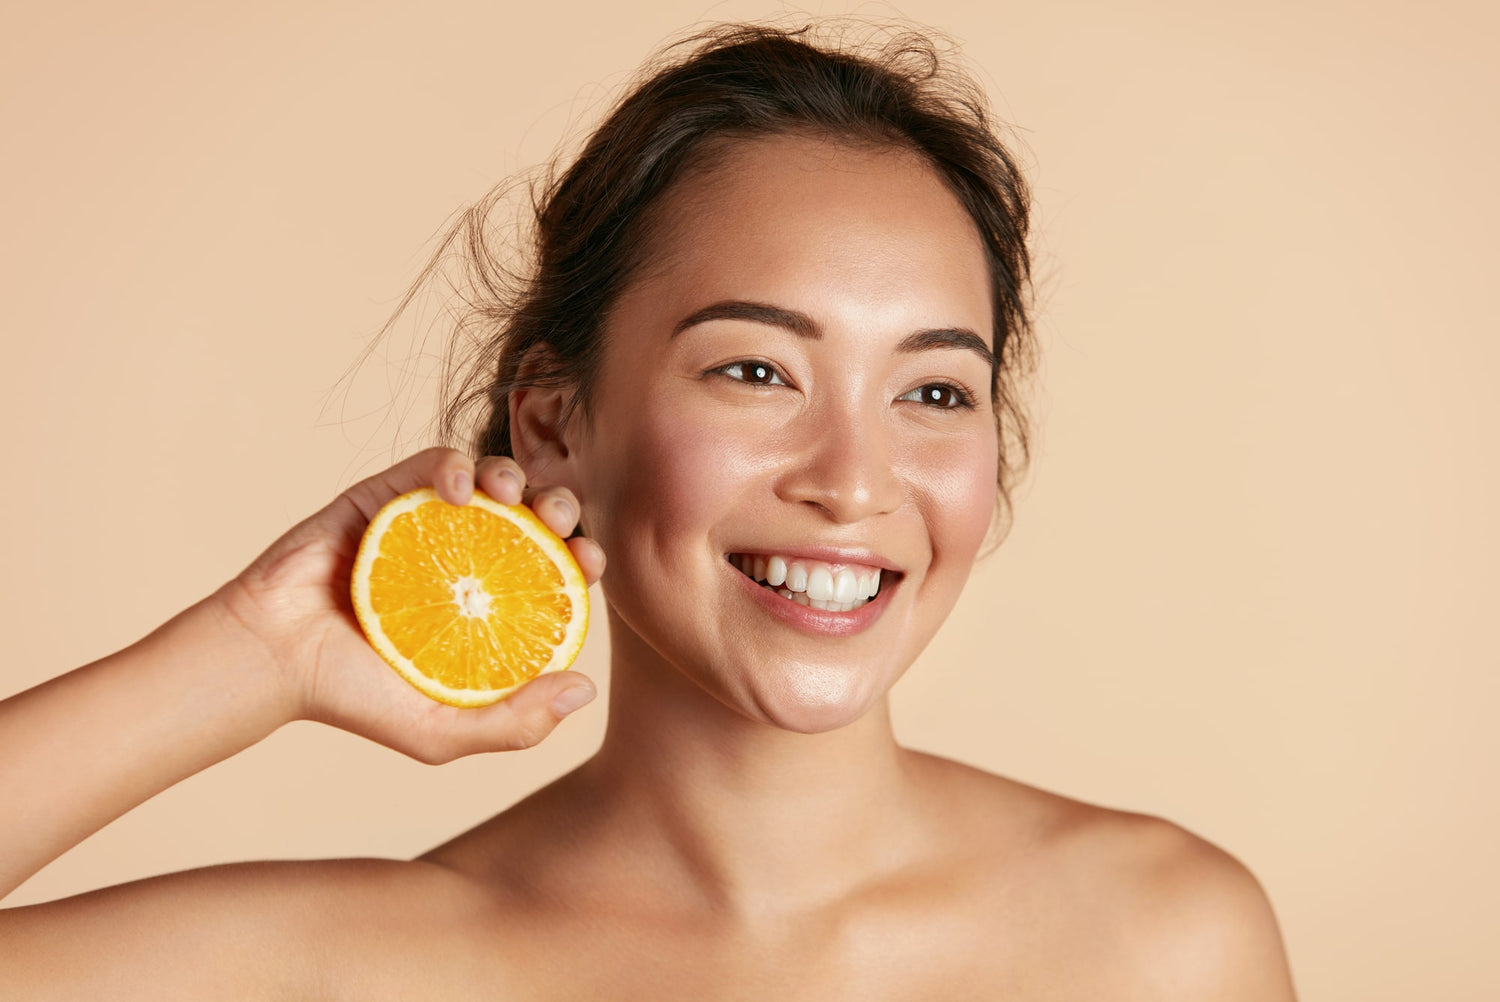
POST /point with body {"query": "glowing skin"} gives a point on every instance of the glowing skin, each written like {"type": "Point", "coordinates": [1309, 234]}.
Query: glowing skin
{"type": "Point", "coordinates": [836, 443]}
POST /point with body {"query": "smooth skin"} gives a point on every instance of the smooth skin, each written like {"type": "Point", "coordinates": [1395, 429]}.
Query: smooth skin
{"type": "Point", "coordinates": [750, 828]}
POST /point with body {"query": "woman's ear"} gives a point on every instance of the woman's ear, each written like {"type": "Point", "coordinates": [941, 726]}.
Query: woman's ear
{"type": "Point", "coordinates": [539, 423]}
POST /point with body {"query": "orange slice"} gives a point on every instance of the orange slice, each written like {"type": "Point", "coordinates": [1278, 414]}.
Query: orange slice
{"type": "Point", "coordinates": [468, 602]}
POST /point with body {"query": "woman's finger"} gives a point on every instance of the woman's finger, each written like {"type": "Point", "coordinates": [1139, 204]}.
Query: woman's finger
{"type": "Point", "coordinates": [448, 470]}
{"type": "Point", "coordinates": [557, 508]}
{"type": "Point", "coordinates": [520, 720]}
{"type": "Point", "coordinates": [590, 557]}
{"type": "Point", "coordinates": [501, 478]}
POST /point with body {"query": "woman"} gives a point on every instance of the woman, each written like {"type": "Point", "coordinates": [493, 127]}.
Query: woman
{"type": "Point", "coordinates": [773, 333]}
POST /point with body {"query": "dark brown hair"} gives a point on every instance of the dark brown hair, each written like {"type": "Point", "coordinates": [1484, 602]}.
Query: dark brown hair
{"type": "Point", "coordinates": [593, 220]}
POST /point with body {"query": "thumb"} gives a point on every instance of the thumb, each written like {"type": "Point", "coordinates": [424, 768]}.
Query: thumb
{"type": "Point", "coordinates": [525, 717]}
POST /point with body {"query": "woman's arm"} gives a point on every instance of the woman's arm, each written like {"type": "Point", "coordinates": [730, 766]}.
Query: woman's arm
{"type": "Point", "coordinates": [278, 643]}
{"type": "Point", "coordinates": [82, 749]}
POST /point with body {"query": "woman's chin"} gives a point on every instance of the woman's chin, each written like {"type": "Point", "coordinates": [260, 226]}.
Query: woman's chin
{"type": "Point", "coordinates": [813, 702]}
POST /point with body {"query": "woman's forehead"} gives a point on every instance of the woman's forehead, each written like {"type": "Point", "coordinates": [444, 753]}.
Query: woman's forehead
{"type": "Point", "coordinates": [852, 231]}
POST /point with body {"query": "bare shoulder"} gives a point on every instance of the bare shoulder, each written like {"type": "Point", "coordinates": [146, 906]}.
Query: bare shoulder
{"type": "Point", "coordinates": [304, 929]}
{"type": "Point", "coordinates": [1190, 919]}
{"type": "Point", "coordinates": [1194, 911]}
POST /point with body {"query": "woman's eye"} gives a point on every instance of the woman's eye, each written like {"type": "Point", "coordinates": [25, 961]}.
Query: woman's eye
{"type": "Point", "coordinates": [754, 373]}
{"type": "Point", "coordinates": [944, 396]}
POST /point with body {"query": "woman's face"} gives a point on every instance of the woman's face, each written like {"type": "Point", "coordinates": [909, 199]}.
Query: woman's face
{"type": "Point", "coordinates": [797, 384]}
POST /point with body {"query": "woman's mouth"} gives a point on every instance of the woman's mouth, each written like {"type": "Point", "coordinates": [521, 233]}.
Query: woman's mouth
{"type": "Point", "coordinates": [813, 583]}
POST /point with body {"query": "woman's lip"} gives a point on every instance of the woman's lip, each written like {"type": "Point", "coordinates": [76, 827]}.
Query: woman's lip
{"type": "Point", "coordinates": [819, 622]}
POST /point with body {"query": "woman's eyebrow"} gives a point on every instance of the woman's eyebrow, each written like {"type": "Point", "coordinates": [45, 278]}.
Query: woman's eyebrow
{"type": "Point", "coordinates": [799, 324]}
{"type": "Point", "coordinates": [805, 326]}
{"type": "Point", "coordinates": [948, 337]}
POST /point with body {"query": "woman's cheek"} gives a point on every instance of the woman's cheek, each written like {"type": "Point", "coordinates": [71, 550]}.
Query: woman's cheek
{"type": "Point", "coordinates": [955, 483]}
{"type": "Point", "coordinates": [685, 465]}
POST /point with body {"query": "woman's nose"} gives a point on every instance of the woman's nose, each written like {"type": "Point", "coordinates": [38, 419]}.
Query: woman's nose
{"type": "Point", "coordinates": [845, 466]}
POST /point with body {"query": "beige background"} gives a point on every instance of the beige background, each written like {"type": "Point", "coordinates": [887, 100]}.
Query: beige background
{"type": "Point", "coordinates": [1251, 583]}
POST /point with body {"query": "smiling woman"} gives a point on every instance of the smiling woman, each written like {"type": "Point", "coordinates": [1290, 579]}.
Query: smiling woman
{"type": "Point", "coordinates": [787, 418]}
{"type": "Point", "coordinates": [766, 362]}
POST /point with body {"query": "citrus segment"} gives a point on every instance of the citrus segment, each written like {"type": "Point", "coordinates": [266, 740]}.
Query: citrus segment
{"type": "Point", "coordinates": [468, 602]}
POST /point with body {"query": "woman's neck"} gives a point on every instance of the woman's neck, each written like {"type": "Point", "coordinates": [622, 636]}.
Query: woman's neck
{"type": "Point", "coordinates": [760, 820]}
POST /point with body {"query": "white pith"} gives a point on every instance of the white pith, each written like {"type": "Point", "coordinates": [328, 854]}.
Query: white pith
{"type": "Point", "coordinates": [813, 583]}
{"type": "Point", "coordinates": [471, 598]}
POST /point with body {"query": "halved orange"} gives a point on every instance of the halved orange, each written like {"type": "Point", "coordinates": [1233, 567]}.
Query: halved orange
{"type": "Point", "coordinates": [468, 602]}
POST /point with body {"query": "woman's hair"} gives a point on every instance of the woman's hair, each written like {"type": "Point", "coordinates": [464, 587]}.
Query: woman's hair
{"type": "Point", "coordinates": [593, 221]}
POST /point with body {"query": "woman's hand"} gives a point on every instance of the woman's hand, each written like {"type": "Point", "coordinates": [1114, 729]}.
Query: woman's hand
{"type": "Point", "coordinates": [293, 604]}
{"type": "Point", "coordinates": [280, 642]}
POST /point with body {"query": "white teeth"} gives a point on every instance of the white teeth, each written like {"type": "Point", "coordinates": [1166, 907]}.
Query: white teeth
{"type": "Point", "coordinates": [820, 584]}
{"type": "Point", "coordinates": [845, 587]}
{"type": "Point", "coordinates": [776, 572]}
{"type": "Point", "coordinates": [812, 583]}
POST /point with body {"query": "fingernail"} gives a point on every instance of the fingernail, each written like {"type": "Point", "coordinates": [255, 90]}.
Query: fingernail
{"type": "Point", "coordinates": [571, 699]}
{"type": "Point", "coordinates": [565, 509]}
{"type": "Point", "coordinates": [510, 477]}
{"type": "Point", "coordinates": [462, 482]}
